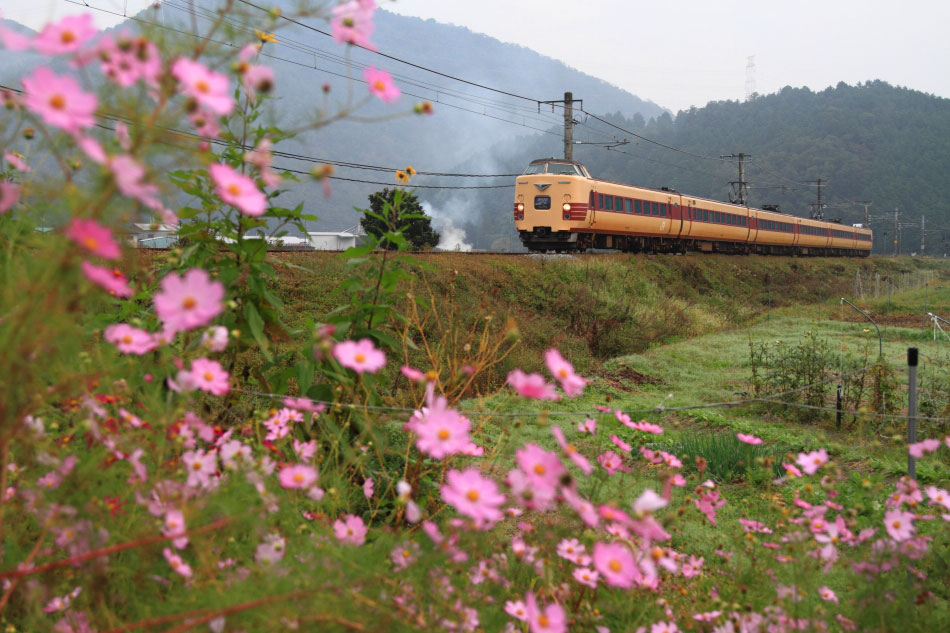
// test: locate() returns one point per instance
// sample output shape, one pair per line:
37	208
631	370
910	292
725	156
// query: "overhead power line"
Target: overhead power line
311	159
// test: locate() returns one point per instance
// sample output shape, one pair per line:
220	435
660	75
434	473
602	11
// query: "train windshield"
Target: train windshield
558	169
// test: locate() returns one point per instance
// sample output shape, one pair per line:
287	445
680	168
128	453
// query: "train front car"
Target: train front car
551	204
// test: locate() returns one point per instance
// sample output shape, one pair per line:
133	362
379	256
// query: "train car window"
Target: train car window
705	215
609	203
619	204
629	205
637	208
656	209
662	209
534	169
561	169
600	201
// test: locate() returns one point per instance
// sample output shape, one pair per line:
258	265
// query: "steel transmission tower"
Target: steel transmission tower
750	77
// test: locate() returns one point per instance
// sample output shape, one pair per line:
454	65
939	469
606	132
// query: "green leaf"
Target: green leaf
256	324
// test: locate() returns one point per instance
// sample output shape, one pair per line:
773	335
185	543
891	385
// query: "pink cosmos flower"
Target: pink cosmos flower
827	594
899	524
707	616
570	549
748	439
59	100
542	468
257	78
189	301
381	84
271	550
938	496
571	451
368	488
708	503
176	562
664	627
237	189
352	23
16	161
404	555
619	443
128	339
531	386
109	279
647	503
517	610
128	59
586	576
297	476
305	450
572	384
611	462
210	89
122	136
412	374
14	41
551	619
616	564
350	530
360	356
926	447
261	157
692	567
174	525
811	462
792	470
473	495
208	375
9	194
441	431
587	426
93	237
215	338
130	178
66	36
200	466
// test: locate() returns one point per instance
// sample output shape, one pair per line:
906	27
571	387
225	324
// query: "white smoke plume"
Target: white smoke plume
451	237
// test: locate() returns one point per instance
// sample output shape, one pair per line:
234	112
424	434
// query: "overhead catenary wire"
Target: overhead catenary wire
533	100
524	118
312	159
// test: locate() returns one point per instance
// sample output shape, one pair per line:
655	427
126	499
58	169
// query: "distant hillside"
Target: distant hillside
467	120
872	142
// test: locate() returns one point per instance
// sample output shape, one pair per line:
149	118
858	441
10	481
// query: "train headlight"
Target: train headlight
566	207
520	207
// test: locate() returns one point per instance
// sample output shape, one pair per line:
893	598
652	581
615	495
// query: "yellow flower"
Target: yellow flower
265	37
410	171
402	177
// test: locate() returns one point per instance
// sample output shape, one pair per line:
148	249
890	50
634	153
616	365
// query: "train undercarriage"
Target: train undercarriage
543	239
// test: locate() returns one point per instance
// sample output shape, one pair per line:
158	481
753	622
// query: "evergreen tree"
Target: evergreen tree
399	210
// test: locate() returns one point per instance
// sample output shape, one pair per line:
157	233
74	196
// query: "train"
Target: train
559	207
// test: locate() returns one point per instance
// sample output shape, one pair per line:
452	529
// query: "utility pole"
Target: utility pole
569	121
739	190
866	204
897	228
817	208
568	126
923	221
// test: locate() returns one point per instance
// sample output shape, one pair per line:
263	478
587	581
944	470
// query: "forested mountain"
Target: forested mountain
872	141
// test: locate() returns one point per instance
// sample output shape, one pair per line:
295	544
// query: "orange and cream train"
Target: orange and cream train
559	207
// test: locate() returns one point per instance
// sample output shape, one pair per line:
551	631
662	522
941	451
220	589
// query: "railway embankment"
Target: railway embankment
596	307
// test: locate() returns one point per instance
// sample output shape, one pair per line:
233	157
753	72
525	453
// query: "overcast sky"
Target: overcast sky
680	53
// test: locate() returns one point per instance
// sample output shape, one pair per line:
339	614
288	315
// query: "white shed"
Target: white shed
332	241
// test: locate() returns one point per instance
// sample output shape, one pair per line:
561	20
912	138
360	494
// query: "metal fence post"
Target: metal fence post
911	409
838	407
